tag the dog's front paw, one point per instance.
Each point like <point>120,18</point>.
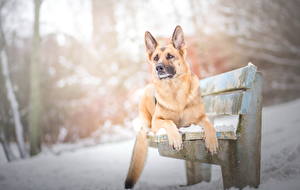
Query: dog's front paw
<point>211,141</point>
<point>175,140</point>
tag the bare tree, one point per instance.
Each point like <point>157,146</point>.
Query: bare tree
<point>14,106</point>
<point>7,150</point>
<point>10,94</point>
<point>35,102</point>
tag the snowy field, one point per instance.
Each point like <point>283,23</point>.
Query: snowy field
<point>105,166</point>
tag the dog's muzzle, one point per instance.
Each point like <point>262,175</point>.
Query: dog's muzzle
<point>165,71</point>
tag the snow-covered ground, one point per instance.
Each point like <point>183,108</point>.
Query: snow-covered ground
<point>105,166</point>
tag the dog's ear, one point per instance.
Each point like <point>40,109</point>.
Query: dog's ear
<point>150,43</point>
<point>177,38</point>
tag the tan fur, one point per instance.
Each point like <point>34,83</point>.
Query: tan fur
<point>179,101</point>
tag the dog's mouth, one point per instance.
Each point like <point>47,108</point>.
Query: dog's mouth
<point>166,72</point>
<point>164,75</point>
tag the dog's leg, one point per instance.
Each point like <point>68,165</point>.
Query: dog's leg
<point>147,107</point>
<point>175,139</point>
<point>211,141</point>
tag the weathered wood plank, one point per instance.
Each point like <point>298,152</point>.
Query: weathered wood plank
<point>197,152</point>
<point>225,125</point>
<point>229,135</point>
<point>232,103</point>
<point>237,79</point>
<point>228,103</point>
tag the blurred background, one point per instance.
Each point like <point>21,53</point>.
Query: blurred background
<point>71,70</point>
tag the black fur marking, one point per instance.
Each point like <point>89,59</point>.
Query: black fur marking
<point>170,70</point>
<point>162,49</point>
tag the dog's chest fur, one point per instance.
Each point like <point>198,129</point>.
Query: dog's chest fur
<point>177,98</point>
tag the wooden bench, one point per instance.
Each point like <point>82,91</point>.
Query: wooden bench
<point>233,104</point>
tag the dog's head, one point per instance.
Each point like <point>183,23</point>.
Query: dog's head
<point>167,61</point>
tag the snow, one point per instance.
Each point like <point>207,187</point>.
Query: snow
<point>191,129</point>
<point>222,123</point>
<point>226,123</point>
<point>105,166</point>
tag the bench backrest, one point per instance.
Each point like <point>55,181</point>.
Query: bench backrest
<point>227,98</point>
<point>227,93</point>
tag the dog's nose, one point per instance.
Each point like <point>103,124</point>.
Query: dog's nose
<point>159,67</point>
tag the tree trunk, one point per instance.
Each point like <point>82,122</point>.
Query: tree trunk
<point>6,148</point>
<point>35,103</point>
<point>7,93</point>
<point>14,106</point>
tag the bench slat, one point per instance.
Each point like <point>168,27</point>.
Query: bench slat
<point>229,103</point>
<point>237,79</point>
<point>225,125</point>
<point>230,135</point>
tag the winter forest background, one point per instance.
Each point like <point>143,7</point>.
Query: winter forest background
<point>72,70</point>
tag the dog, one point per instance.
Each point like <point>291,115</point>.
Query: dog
<point>170,101</point>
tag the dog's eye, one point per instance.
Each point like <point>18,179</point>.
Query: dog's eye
<point>169,56</point>
<point>156,58</point>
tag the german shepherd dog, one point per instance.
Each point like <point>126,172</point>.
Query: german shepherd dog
<point>170,101</point>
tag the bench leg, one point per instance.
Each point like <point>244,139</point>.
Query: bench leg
<point>228,176</point>
<point>242,167</point>
<point>197,172</point>
<point>240,173</point>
